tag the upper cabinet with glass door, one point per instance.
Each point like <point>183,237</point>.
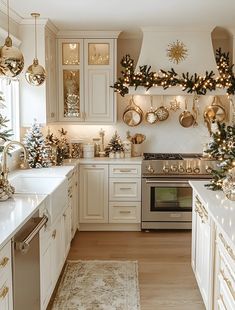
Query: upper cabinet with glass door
<point>70,58</point>
<point>87,69</point>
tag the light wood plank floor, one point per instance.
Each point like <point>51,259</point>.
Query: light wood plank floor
<point>165,275</point>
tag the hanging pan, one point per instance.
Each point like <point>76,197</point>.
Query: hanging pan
<point>133,115</point>
<point>214,112</point>
<point>151,116</point>
<point>186,118</point>
<point>162,112</point>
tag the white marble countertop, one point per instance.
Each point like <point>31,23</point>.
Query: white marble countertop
<point>107,160</point>
<point>221,208</point>
<point>14,212</point>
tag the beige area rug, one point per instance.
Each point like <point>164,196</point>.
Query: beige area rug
<point>98,285</point>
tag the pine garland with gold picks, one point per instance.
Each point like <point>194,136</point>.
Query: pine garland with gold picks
<point>189,83</point>
<point>222,148</point>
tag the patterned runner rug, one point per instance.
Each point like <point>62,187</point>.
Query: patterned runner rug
<point>98,285</point>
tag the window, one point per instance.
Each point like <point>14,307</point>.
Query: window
<point>10,91</point>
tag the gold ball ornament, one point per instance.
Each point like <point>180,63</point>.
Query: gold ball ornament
<point>11,59</point>
<point>35,74</point>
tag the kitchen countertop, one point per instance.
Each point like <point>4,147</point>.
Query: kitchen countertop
<point>107,160</point>
<point>15,211</point>
<point>221,208</point>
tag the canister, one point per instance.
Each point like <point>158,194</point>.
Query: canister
<point>88,150</point>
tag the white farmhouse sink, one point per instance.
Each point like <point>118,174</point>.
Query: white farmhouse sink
<point>38,185</point>
<point>55,188</point>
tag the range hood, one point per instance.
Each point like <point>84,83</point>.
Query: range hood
<point>199,59</point>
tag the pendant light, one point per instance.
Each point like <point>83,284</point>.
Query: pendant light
<point>35,74</point>
<point>11,58</point>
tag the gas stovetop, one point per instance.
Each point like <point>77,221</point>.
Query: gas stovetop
<point>170,156</point>
<point>171,164</point>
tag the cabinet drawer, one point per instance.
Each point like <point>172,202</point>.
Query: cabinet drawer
<point>124,212</point>
<point>5,259</point>
<point>124,171</point>
<point>225,294</point>
<point>124,189</point>
<point>226,249</point>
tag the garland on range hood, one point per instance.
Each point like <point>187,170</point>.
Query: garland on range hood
<point>190,83</point>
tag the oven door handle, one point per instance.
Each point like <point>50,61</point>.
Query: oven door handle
<point>168,181</point>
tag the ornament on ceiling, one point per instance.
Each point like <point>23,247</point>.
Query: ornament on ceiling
<point>177,52</point>
<point>11,58</point>
<point>35,74</point>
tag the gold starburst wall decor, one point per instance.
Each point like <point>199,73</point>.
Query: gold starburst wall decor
<point>177,51</point>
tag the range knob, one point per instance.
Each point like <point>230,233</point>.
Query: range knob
<point>181,169</point>
<point>196,170</point>
<point>208,169</point>
<point>166,169</point>
<point>189,170</point>
<point>174,168</point>
<point>150,169</point>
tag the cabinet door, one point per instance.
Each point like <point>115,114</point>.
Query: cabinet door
<point>6,293</point>
<point>74,212</point>
<point>66,231</point>
<point>70,69</point>
<point>204,250</point>
<point>51,90</point>
<point>57,249</point>
<point>93,194</point>
<point>46,281</point>
<point>99,71</point>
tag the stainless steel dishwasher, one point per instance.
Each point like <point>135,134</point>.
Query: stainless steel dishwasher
<point>26,264</point>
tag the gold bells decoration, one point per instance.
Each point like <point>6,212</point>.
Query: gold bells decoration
<point>190,83</point>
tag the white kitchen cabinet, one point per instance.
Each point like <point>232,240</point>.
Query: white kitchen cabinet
<point>66,231</point>
<point>93,193</point>
<point>6,296</point>
<point>39,103</point>
<point>87,69</point>
<point>224,284</point>
<point>124,193</point>
<point>203,250</point>
<point>73,199</point>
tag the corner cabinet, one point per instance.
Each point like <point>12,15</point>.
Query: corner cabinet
<point>87,69</point>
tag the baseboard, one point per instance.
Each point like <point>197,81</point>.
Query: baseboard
<point>110,227</point>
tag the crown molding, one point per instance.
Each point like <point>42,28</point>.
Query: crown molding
<point>88,34</point>
<point>40,21</point>
<point>13,14</point>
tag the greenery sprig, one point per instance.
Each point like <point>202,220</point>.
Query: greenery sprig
<point>189,83</point>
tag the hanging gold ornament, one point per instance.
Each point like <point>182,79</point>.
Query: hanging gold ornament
<point>177,51</point>
<point>11,58</point>
<point>35,74</point>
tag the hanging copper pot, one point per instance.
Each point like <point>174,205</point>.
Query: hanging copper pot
<point>133,115</point>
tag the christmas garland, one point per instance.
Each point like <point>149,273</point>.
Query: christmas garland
<point>190,83</point>
<point>222,148</point>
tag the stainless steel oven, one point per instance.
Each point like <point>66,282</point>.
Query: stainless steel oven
<point>166,193</point>
<point>166,203</point>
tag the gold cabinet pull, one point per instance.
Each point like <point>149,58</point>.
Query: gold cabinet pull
<point>125,170</point>
<point>229,284</point>
<point>4,292</point>
<point>227,247</point>
<point>54,234</point>
<point>4,261</point>
<point>125,188</point>
<point>123,211</point>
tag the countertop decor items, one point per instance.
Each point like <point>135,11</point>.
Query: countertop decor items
<point>35,74</point>
<point>11,58</point>
<point>228,185</point>
<point>115,147</point>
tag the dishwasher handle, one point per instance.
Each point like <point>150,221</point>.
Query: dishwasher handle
<point>23,245</point>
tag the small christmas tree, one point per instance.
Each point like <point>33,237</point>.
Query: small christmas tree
<point>222,148</point>
<point>115,145</point>
<point>38,151</point>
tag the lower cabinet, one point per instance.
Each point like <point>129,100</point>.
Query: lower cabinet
<point>224,297</point>
<point>93,194</point>
<point>54,247</point>
<point>110,194</point>
<point>203,250</point>
<point>6,298</point>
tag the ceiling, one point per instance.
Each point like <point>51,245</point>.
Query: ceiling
<point>128,15</point>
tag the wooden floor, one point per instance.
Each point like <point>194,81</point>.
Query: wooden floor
<point>165,276</point>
